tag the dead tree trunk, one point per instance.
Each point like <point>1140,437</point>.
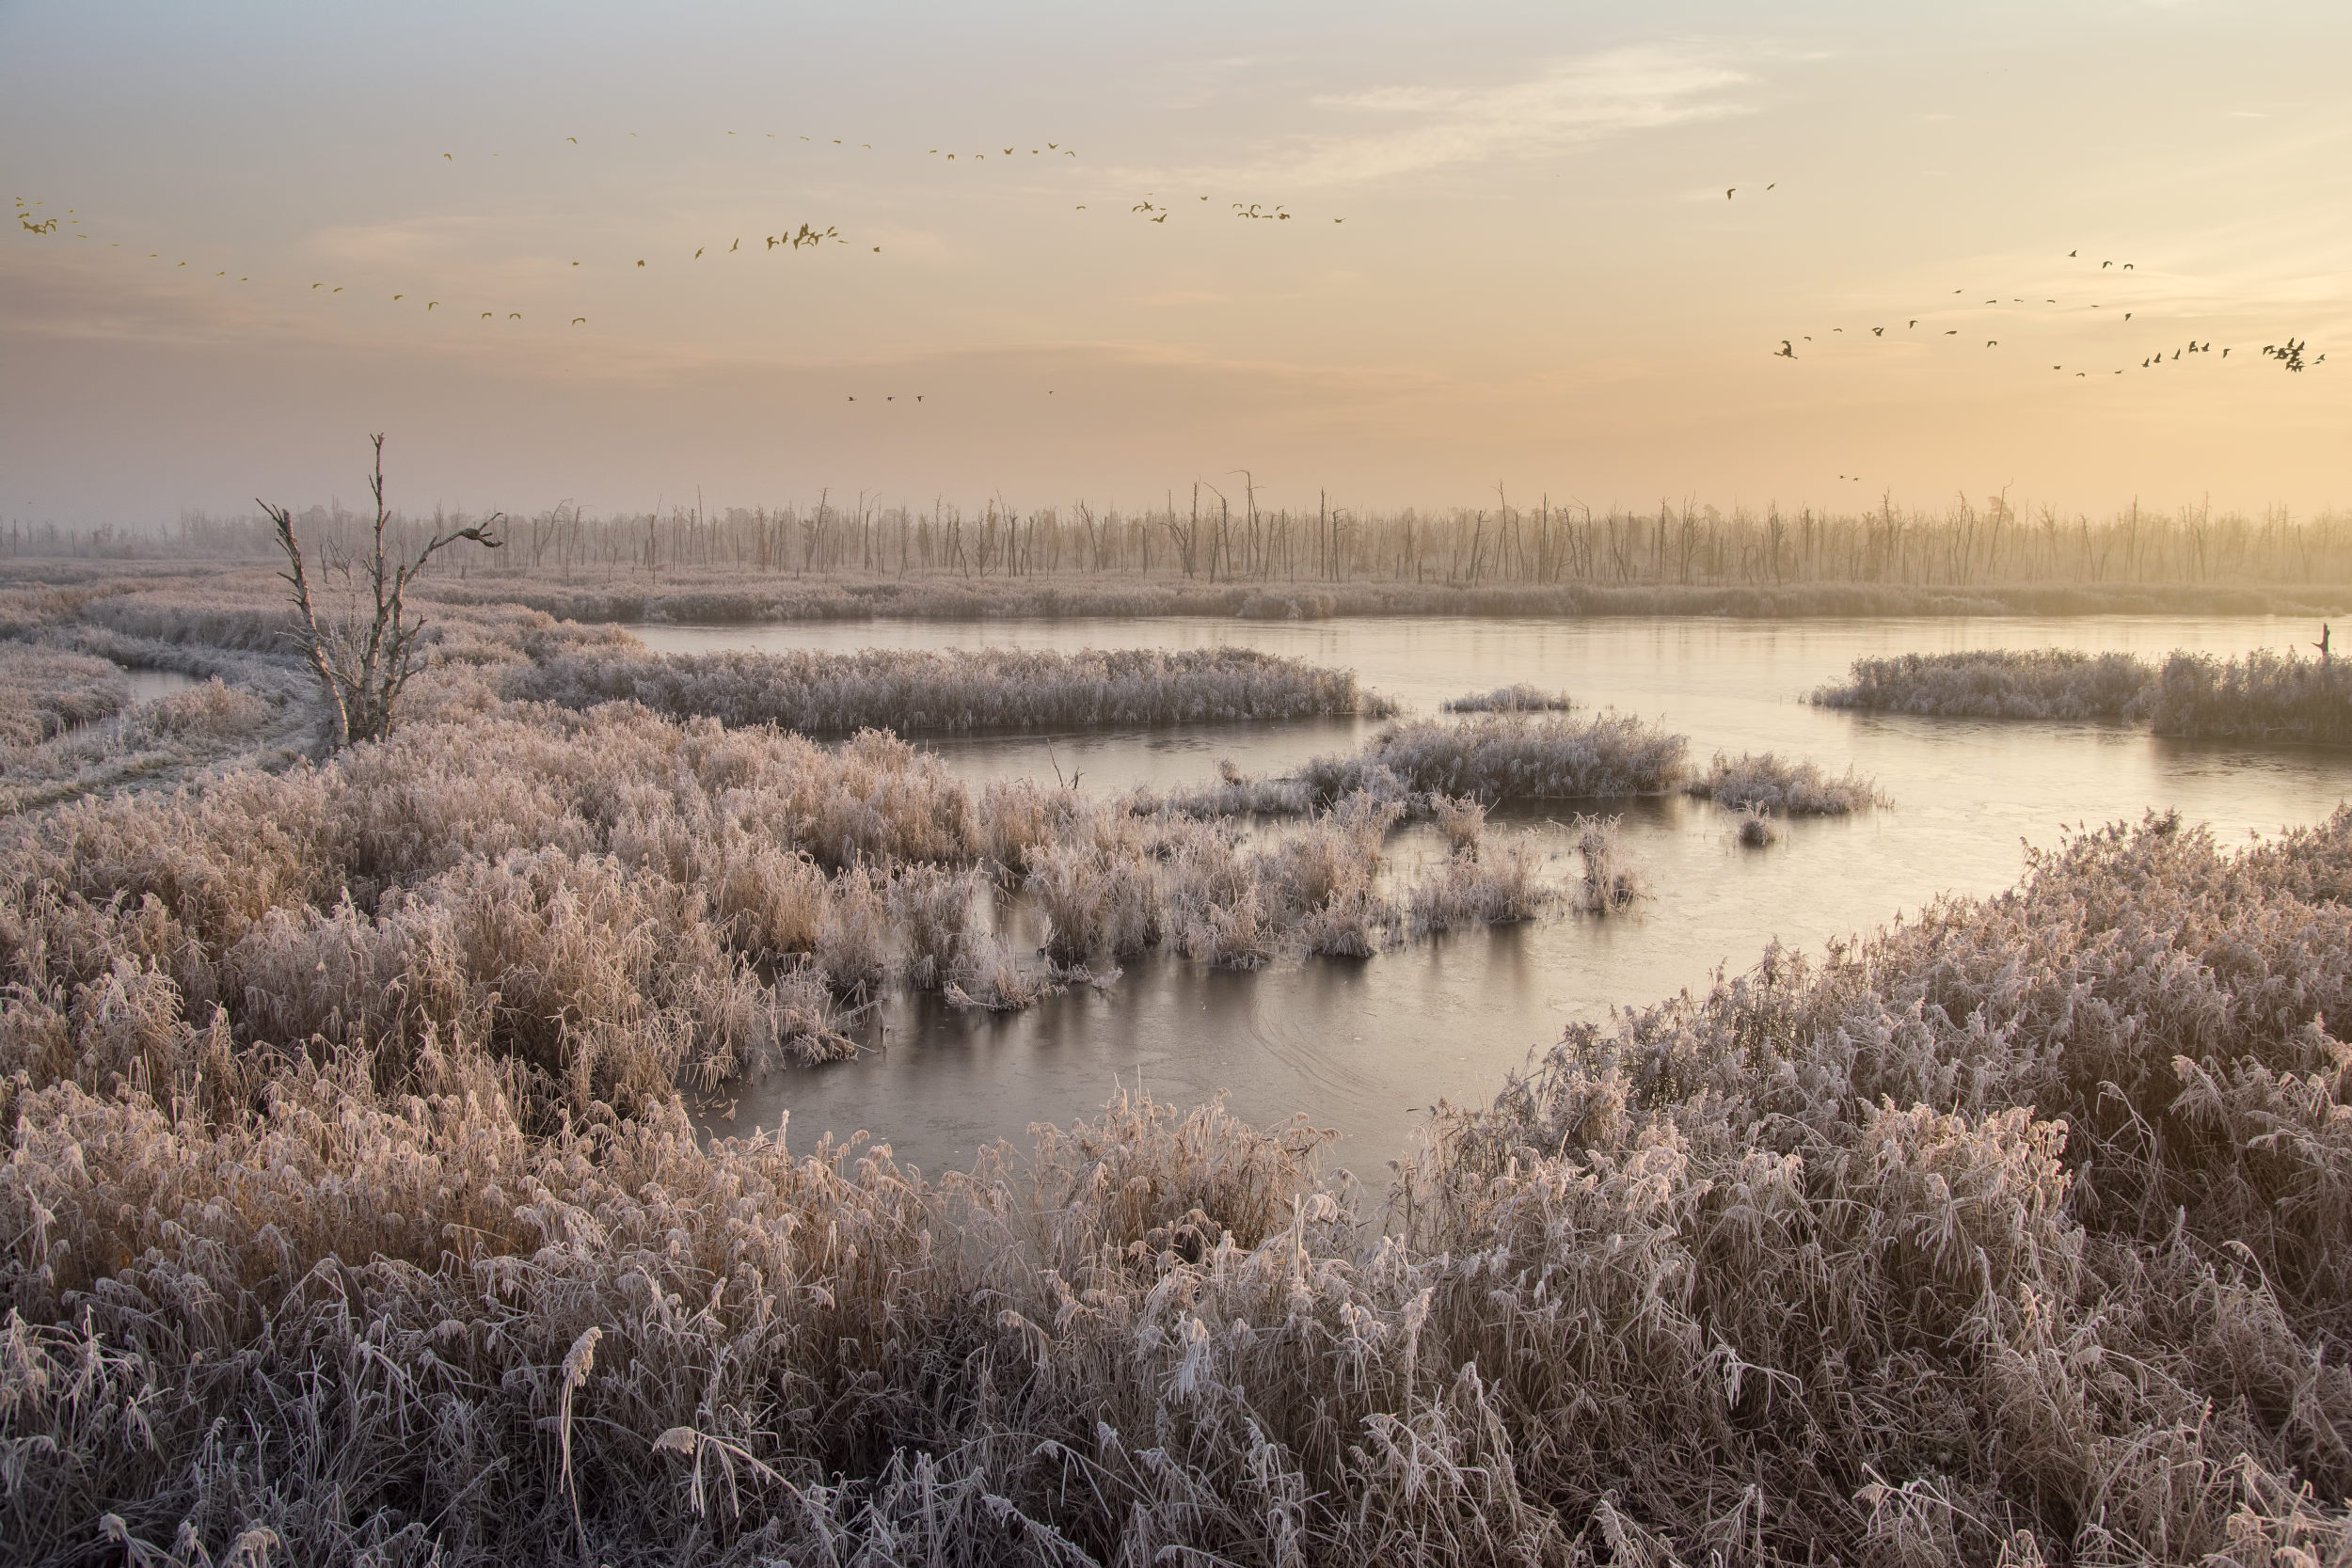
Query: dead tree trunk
<point>363,661</point>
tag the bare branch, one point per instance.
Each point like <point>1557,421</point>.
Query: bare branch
<point>363,676</point>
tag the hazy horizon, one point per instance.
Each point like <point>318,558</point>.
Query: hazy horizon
<point>1538,279</point>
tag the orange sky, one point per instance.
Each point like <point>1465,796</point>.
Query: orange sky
<point>1538,280</point>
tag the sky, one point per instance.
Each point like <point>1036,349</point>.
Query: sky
<point>1508,259</point>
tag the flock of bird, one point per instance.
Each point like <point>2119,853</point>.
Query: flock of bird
<point>2289,354</point>
<point>69,226</point>
<point>1254,212</point>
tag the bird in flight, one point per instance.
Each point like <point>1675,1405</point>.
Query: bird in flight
<point>1993,343</point>
<point>573,140</point>
<point>1877,332</point>
<point>400,296</point>
<point>579,321</point>
<point>487,315</point>
<point>2070,253</point>
<point>1787,350</point>
<point>1914,321</point>
<point>1727,193</point>
<point>731,250</point>
<point>431,303</point>
<point>698,253</point>
<point>513,315</point>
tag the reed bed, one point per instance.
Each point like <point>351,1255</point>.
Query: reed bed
<point>1517,697</point>
<point>1787,786</point>
<point>915,691</point>
<point>2012,1234</point>
<point>2263,696</point>
<point>167,740</point>
<point>2041,683</point>
<point>610,897</point>
<point>1508,757</point>
<point>46,691</point>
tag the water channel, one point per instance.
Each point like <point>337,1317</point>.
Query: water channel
<point>1367,1047</point>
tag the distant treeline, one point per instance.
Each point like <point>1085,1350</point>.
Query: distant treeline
<point>1209,538</point>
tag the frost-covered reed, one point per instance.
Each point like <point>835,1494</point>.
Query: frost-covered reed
<point>1757,830</point>
<point>609,897</point>
<point>919,691</point>
<point>2012,1234</point>
<point>1610,881</point>
<point>1498,757</point>
<point>45,691</point>
<point>2263,696</point>
<point>1517,697</point>
<point>1997,683</point>
<point>1496,882</point>
<point>1784,787</point>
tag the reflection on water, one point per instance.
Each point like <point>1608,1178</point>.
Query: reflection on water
<point>1364,1046</point>
<point>147,685</point>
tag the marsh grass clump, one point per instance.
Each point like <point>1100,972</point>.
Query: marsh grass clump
<point>1610,881</point>
<point>1496,883</point>
<point>210,711</point>
<point>1463,821</point>
<point>934,911</point>
<point>2004,682</point>
<point>1517,697</point>
<point>1234,794</point>
<point>1757,830</point>
<point>2262,696</point>
<point>1324,879</point>
<point>1787,786</point>
<point>913,691</point>
<point>989,976</point>
<point>1496,757</point>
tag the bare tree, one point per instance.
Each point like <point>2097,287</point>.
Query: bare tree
<point>364,660</point>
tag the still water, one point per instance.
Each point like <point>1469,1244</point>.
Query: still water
<point>1367,1047</point>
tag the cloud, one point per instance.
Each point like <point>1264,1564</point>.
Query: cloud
<point>1570,103</point>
